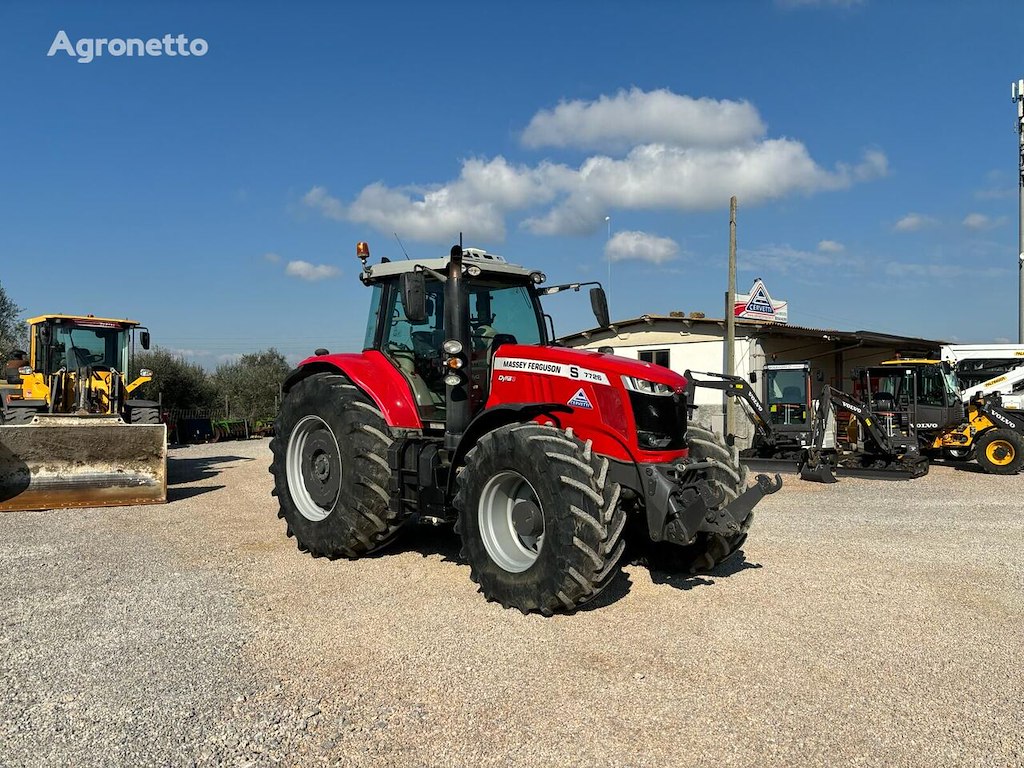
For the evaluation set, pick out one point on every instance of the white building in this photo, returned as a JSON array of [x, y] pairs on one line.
[[697, 343]]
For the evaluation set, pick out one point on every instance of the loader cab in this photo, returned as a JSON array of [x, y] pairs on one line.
[[788, 396], [925, 392], [501, 306], [75, 343]]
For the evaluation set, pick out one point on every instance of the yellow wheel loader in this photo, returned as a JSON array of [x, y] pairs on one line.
[[71, 435]]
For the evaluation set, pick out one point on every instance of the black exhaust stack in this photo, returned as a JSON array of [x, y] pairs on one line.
[[457, 322]]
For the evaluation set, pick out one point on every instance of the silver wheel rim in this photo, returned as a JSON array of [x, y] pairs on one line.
[[313, 467], [511, 546]]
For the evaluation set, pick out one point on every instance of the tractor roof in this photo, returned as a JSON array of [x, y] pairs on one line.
[[85, 320], [488, 263]]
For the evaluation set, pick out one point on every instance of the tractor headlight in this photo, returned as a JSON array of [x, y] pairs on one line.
[[473, 270], [643, 386], [452, 347], [453, 379], [145, 372]]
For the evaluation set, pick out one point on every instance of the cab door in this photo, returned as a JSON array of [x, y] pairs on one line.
[[938, 401]]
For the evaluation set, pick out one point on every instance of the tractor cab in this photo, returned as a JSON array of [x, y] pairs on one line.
[[411, 322], [922, 392]]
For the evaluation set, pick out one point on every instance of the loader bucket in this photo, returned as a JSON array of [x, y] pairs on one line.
[[820, 473], [81, 461]]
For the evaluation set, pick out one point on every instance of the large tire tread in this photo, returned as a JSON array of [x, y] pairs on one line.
[[583, 518], [362, 520], [1015, 439]]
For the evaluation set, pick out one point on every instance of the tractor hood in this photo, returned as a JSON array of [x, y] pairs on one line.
[[582, 364]]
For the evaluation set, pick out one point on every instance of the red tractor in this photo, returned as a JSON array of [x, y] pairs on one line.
[[461, 408]]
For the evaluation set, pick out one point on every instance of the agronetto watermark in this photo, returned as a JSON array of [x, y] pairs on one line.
[[86, 49]]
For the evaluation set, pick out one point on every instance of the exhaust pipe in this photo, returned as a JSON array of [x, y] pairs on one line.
[[457, 410]]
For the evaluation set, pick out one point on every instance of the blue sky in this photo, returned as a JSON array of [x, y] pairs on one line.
[[219, 198]]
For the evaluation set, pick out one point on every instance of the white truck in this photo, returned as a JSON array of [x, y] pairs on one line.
[[986, 368]]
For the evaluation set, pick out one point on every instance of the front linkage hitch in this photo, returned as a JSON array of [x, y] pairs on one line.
[[681, 502]]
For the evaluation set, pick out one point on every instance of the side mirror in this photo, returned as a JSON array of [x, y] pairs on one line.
[[414, 292], [753, 377], [144, 338], [819, 375], [599, 303]]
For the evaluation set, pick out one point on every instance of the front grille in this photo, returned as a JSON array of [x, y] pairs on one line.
[[660, 421]]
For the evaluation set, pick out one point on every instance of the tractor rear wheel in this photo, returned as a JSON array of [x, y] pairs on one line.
[[540, 522], [1001, 452], [331, 470], [709, 549]]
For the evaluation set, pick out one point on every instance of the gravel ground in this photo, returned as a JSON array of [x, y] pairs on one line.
[[868, 623]]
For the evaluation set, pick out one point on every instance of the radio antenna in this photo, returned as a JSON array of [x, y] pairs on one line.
[[400, 244]]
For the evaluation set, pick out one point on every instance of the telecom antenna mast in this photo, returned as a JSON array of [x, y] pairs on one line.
[[1017, 94]]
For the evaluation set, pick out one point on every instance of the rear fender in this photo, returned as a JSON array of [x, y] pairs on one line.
[[374, 375]]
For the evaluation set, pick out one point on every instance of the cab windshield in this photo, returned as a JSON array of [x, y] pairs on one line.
[[76, 346]]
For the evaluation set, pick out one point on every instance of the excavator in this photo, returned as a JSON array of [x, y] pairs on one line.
[[71, 432], [792, 436], [904, 413]]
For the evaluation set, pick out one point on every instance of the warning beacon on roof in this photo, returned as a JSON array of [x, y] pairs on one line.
[[759, 305]]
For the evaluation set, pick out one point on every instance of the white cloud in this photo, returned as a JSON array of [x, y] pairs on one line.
[[696, 166], [318, 199], [475, 203], [979, 221], [629, 245], [311, 272], [914, 222], [830, 246], [644, 117], [183, 353], [656, 176], [273, 258], [782, 258]]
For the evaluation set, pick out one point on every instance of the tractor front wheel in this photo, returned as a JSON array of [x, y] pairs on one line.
[[1001, 452], [331, 470], [540, 522]]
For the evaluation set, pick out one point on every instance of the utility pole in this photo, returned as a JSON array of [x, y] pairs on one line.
[[608, 255], [730, 319], [1017, 94]]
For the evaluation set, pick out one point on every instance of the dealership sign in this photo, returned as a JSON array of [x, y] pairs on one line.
[[759, 305]]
